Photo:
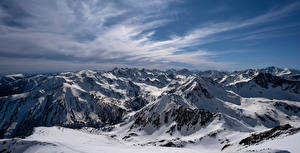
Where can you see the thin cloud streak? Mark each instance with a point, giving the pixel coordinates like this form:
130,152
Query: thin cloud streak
87,30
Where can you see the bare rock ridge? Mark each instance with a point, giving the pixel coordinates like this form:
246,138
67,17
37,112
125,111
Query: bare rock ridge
277,131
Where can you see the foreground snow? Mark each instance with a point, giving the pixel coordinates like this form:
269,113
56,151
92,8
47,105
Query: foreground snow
57,139
64,140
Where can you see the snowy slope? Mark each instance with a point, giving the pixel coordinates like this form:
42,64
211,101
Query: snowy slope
58,139
55,139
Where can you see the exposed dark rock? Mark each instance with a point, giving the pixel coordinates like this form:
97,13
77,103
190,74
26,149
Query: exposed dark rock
269,134
189,117
289,109
168,144
129,136
136,103
177,144
225,146
212,134
181,116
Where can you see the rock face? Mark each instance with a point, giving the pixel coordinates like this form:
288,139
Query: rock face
172,102
184,120
269,134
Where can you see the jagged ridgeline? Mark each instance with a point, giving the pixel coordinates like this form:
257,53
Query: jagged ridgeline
173,101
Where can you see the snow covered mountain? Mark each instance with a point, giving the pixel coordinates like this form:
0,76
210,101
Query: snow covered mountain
245,75
86,98
173,108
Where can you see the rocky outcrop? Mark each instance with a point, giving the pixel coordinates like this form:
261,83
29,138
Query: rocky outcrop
269,134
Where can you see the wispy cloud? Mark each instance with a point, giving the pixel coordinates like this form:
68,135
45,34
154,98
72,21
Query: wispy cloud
109,32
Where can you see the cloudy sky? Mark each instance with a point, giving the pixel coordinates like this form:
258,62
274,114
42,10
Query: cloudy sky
68,35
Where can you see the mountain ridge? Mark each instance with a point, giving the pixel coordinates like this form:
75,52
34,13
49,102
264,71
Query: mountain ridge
137,104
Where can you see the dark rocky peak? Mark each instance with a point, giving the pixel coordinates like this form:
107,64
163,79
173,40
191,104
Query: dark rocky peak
125,72
214,74
289,74
151,77
275,70
245,73
264,79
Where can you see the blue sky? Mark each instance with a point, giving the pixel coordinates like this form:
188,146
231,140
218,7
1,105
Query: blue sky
68,35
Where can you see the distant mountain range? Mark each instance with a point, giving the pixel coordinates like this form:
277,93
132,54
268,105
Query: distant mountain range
172,108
